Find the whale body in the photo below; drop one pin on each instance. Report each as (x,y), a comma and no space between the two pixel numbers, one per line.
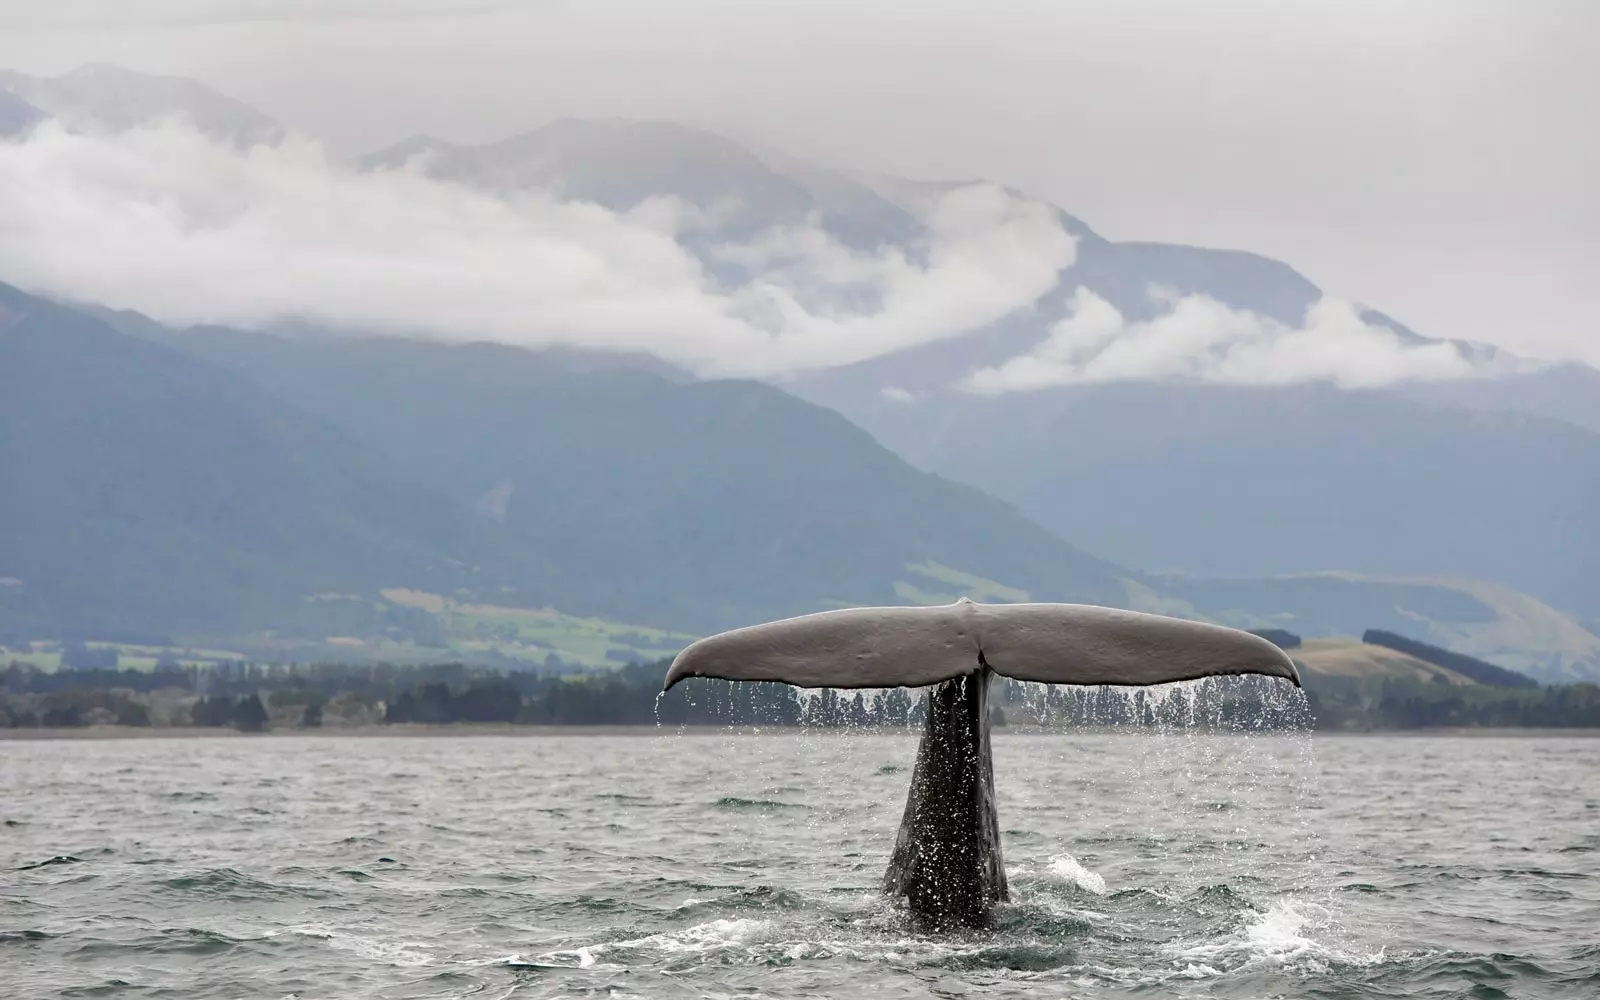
(946,866)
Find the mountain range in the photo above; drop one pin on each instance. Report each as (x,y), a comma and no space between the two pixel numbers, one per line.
(223,482)
(1274,479)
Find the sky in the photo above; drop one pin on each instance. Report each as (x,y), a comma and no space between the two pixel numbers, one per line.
(1431,158)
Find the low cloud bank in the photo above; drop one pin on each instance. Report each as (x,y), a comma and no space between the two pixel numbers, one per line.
(1200,339)
(165,221)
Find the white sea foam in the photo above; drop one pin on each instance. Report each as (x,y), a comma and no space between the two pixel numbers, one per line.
(752,941)
(1068,868)
(1285,934)
(406,954)
(714,935)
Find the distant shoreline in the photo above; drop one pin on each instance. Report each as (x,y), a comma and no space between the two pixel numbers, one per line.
(415,731)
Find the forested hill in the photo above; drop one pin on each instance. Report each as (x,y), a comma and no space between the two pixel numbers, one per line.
(147,490)
(677,502)
(245,482)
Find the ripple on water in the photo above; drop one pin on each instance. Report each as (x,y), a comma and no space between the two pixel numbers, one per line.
(615,868)
(59,859)
(232,885)
(735,802)
(403,954)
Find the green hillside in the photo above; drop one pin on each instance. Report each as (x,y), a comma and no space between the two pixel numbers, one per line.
(146,490)
(1352,658)
(677,503)
(1480,619)
(1252,482)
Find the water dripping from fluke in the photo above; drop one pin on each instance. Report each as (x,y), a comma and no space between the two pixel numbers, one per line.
(946,867)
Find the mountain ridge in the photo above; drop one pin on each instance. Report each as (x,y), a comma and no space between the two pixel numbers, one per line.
(110,97)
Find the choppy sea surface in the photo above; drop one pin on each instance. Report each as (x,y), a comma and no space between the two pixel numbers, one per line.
(721,864)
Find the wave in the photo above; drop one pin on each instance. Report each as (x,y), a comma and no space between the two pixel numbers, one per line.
(405,954)
(1068,869)
(734,802)
(1283,934)
(229,884)
(59,859)
(199,942)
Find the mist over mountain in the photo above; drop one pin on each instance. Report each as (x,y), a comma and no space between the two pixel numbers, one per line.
(107,98)
(1273,478)
(17,115)
(158,489)
(621,164)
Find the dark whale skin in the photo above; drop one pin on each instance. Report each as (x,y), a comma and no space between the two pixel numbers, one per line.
(947,867)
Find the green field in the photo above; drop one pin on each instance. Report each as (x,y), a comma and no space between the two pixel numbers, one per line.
(465,630)
(957,584)
(534,633)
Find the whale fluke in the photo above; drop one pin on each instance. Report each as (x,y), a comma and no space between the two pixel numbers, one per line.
(947,864)
(917,647)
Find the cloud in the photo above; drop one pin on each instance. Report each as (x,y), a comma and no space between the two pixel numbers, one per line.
(1200,339)
(163,220)
(171,13)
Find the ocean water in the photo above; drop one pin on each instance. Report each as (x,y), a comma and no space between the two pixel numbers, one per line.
(721,864)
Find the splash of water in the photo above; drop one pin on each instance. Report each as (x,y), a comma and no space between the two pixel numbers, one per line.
(1229,703)
(1068,868)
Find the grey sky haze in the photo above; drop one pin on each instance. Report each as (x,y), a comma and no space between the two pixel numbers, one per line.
(1434,158)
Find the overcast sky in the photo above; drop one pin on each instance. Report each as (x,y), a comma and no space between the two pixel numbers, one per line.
(1433,158)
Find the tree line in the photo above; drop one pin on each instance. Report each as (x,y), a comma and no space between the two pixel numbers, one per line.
(256,697)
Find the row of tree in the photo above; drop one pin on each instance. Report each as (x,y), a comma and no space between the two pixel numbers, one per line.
(1413,703)
(255,698)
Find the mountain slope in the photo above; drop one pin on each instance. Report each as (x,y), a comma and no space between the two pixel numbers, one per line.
(147,490)
(1230,481)
(1485,620)
(686,504)
(1354,658)
(1569,392)
(152,489)
(101,96)
(16,115)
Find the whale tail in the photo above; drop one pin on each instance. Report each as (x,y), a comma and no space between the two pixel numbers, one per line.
(947,864)
(916,647)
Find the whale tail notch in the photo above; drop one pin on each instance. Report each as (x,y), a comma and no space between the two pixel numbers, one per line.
(922,646)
